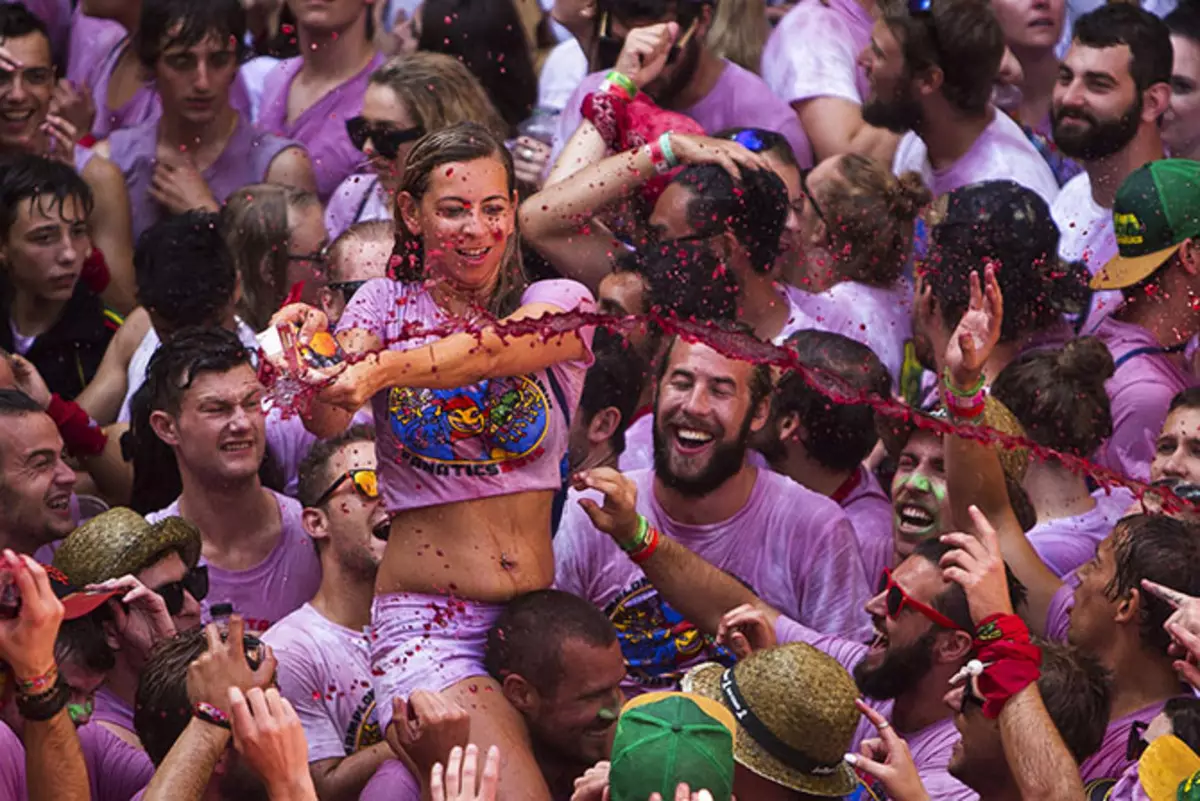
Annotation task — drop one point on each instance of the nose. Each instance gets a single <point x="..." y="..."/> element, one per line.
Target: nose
<point x="473" y="224"/>
<point x="1071" y="95"/>
<point x="368" y="147"/>
<point x="876" y="606"/>
<point x="17" y="89"/>
<point x="1173" y="466"/>
<point x="64" y="474"/>
<point x="202" y="75"/>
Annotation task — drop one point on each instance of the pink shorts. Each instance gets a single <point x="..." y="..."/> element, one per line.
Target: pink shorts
<point x="426" y="642"/>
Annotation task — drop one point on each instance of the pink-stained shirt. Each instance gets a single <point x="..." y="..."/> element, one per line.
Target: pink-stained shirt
<point x="116" y="770"/>
<point x="1086" y="234"/>
<point x="1109" y="761"/>
<point x="325" y="671"/>
<point x="392" y="782"/>
<point x="1066" y="543"/>
<point x="1002" y="151"/>
<point x="277" y="586"/>
<point x="322" y="126"/>
<point x="1140" y="392"/>
<point x="110" y="708"/>
<point x="870" y="511"/>
<point x="792" y="547"/>
<point x="930" y="747"/>
<point x="878" y="317"/>
<point x="739" y="98"/>
<point x="497" y="437"/>
<point x="359" y="198"/>
<point x="813" y="52"/>
<point x="91" y="38"/>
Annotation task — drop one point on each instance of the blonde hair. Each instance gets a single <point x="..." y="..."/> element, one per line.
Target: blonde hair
<point x="254" y="225"/>
<point x="466" y="141"/>
<point x="438" y="91"/>
<point x="870" y="215"/>
<point x="739" y="31"/>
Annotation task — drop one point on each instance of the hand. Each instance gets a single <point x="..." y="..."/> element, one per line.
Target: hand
<point x="347" y="386"/>
<point x="179" y="187"/>
<point x="309" y="320"/>
<point x="978" y="331"/>
<point x="529" y="159"/>
<point x="74" y="105"/>
<point x="61" y="137"/>
<point x="141" y="617"/>
<point x="888" y="759"/>
<point x="645" y="52"/>
<point x="732" y="156"/>
<point x="30" y="381"/>
<point x="427" y="728"/>
<point x="457" y="781"/>
<point x="745" y="630"/>
<point x="593" y="784"/>
<point x="977" y="566"/>
<point x="27" y="640"/>
<point x="268" y="734"/>
<point x="1184" y="627"/>
<point x="619" y="517"/>
<point x="684" y="793"/>
<point x="224" y="666"/>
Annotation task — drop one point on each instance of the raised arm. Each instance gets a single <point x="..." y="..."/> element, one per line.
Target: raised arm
<point x="835" y="126"/>
<point x="112" y="230"/>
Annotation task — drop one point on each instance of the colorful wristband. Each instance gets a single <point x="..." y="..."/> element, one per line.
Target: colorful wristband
<point x="617" y="83"/>
<point x="641" y="555"/>
<point x="664" y="144"/>
<point x="38" y="684"/>
<point x="949" y="385"/>
<point x="81" y="434"/>
<point x="639" y="539"/>
<point x="211" y="714"/>
<point x="45" y="705"/>
<point x="1012" y="662"/>
<point x="658" y="158"/>
<point x="610" y="114"/>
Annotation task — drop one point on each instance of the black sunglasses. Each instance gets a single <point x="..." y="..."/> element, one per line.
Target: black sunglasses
<point x="347" y="288"/>
<point x="923" y="10"/>
<point x="195" y="582"/>
<point x="608" y="47"/>
<point x="386" y="137"/>
<point x="808" y="196"/>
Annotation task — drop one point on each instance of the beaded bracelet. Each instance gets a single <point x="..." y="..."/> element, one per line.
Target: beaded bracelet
<point x="38" y="684"/>
<point x="43" y="706"/>
<point x="641" y="555"/>
<point x="617" y="83"/>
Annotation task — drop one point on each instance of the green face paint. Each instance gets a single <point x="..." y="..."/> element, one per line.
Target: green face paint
<point x="919" y="483"/>
<point x="607" y="714"/>
<point x="80" y="712"/>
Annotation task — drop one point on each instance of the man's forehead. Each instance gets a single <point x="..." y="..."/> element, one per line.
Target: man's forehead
<point x="212" y="41"/>
<point x="25" y="434"/>
<point x="701" y="360"/>
<point x="1114" y="60"/>
<point x="920" y="578"/>
<point x="354" y="456"/>
<point x="33" y="49"/>
<point x="236" y="383"/>
<point x="924" y="443"/>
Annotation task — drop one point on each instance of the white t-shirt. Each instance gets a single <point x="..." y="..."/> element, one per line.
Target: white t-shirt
<point x="564" y="70"/>
<point x="1002" y="151"/>
<point x="1086" y="234"/>
<point x="813" y="52"/>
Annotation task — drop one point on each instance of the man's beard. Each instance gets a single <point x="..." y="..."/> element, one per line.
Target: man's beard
<point x="666" y="92"/>
<point x="726" y="460"/>
<point x="900" y="670"/>
<point x="1102" y="139"/>
<point x="898" y="114"/>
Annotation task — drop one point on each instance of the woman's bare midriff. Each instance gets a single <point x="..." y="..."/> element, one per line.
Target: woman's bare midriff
<point x="489" y="549"/>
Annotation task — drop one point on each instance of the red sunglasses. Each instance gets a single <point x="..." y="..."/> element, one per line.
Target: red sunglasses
<point x="897" y="599"/>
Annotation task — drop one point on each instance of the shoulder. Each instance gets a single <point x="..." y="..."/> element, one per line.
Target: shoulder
<point x="293" y="632"/>
<point x="100" y="171"/>
<point x="796" y="503"/>
<point x="565" y="294"/>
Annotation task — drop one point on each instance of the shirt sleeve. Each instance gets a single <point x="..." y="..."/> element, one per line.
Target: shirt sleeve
<point x="370" y="309"/>
<point x="833" y="588"/>
<point x="116" y="770"/>
<point x="567" y="296"/>
<point x="300" y="682"/>
<point x="815" y="58"/>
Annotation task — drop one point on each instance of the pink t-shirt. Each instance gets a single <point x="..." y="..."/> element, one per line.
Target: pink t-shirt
<point x="870" y="511"/>
<point x="110" y="708"/>
<point x="116" y="770"/>
<point x="1109" y="761"/>
<point x="1140" y="392"/>
<point x="325" y="671"/>
<point x="497" y="437"/>
<point x="1066" y="543"/>
<point x="392" y="782"/>
<point x="930" y="747"/>
<point x="1001" y="152"/>
<point x="322" y="126"/>
<point x="792" y="547"/>
<point x="878" y="317"/>
<point x="359" y="198"/>
<point x="266" y="593"/>
<point x="813" y="52"/>
<point x="739" y="98"/>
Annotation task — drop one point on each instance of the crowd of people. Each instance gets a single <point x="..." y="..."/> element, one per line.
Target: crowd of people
<point x="604" y="400"/>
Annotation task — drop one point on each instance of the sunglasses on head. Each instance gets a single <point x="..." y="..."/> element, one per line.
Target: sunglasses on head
<point x="898" y="599"/>
<point x="365" y="483"/>
<point x="387" y="138"/>
<point x="608" y="46"/>
<point x="195" y="582"/>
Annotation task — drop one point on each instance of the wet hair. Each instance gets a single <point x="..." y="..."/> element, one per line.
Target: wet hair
<point x="186" y="23"/>
<point x="839" y="436"/>
<point x="15" y="403"/>
<point x="528" y="637"/>
<point x="254" y="223"/>
<point x="871" y="214"/>
<point x="614" y="379"/>
<point x="314" y="468"/>
<point x="40" y="182"/>
<point x="489" y="39"/>
<point x="180" y="360"/>
<point x="962" y="38"/>
<point x="462" y="142"/>
<point x="1077" y="692"/>
<point x="1187" y="399"/>
<point x="1058" y="396"/>
<point x="185" y="273"/>
<point x="1164" y="550"/>
<point x="952" y="601"/>
<point x="1147" y="37"/>
<point x="754" y="208"/>
<point x="438" y="91"/>
<point x="17" y="21"/>
<point x="1184" y="714"/>
<point x="689" y="282"/>
<point x="1184" y="21"/>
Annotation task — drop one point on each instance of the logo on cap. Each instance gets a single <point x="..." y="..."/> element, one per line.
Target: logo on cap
<point x="1129" y="229"/>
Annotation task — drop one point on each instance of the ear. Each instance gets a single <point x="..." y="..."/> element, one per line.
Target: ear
<point x="952" y="646"/>
<point x="603" y="425"/>
<point x="790" y="427"/>
<point x="1155" y="100"/>
<point x="316" y="523"/>
<point x="111" y="639"/>
<point x="1189" y="256"/>
<point x="929" y="81"/>
<point x="1129" y="608"/>
<point x="761" y="414"/>
<point x="519" y="692"/>
<point x="165" y="427"/>
<point x="589" y="10"/>
<point x="409" y="213"/>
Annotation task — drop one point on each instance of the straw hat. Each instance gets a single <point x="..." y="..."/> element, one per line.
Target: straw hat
<point x="120" y="542"/>
<point x="796" y="715"/>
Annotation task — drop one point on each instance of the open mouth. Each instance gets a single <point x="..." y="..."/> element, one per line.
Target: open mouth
<point x="913" y="518"/>
<point x="473" y="254"/>
<point x="1044" y="22"/>
<point x="17" y="116"/>
<point x="382" y="529"/>
<point x="237" y="447"/>
<point x="879" y="644"/>
<point x="60" y="504"/>
<point x="692" y="440"/>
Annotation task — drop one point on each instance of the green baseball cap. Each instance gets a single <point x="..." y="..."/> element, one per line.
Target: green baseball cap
<point x="663" y="739"/>
<point x="1155" y="210"/>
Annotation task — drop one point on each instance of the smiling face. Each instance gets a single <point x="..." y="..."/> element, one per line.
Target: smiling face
<point x="891" y="103"/>
<point x="351" y="518"/>
<point x="920" y="507"/>
<point x="1097" y="107"/>
<point x="46" y="247"/>
<point x="703" y="418"/>
<point x="25" y="93"/>
<point x="465" y="221"/>
<point x="1177" y="452"/>
<point x="35" y="482"/>
<point x="194" y="82"/>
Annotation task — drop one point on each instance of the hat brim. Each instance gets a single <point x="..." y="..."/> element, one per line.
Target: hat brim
<point x="705" y="680"/>
<point x="1122" y="271"/>
<point x="78" y="603"/>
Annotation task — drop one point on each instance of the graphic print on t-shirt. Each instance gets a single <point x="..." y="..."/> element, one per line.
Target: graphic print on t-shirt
<point x="484" y="429"/>
<point x="364" y="730"/>
<point x="659" y="645"/>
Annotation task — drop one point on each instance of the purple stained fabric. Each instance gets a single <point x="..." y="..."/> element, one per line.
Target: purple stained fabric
<point x="90" y="39"/>
<point x="392" y="782"/>
<point x="359" y="198"/>
<point x="322" y="126"/>
<point x="245" y="160"/>
<point x="1109" y="761"/>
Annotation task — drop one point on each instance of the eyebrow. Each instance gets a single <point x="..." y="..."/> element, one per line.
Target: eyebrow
<point x="464" y="201"/>
<point x="41" y="453"/>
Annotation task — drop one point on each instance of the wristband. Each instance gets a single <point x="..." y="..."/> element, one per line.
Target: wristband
<point x="1011" y="661"/>
<point x="641" y="555"/>
<point x="639" y="539"/>
<point x="211" y="714"/>
<point x="38" y="684"/>
<point x="87" y="140"/>
<point x="657" y="157"/>
<point x="664" y="144"/>
<point x="619" y="84"/>
<point x="43" y="706"/>
<point x="81" y="434"/>
<point x="952" y="388"/>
